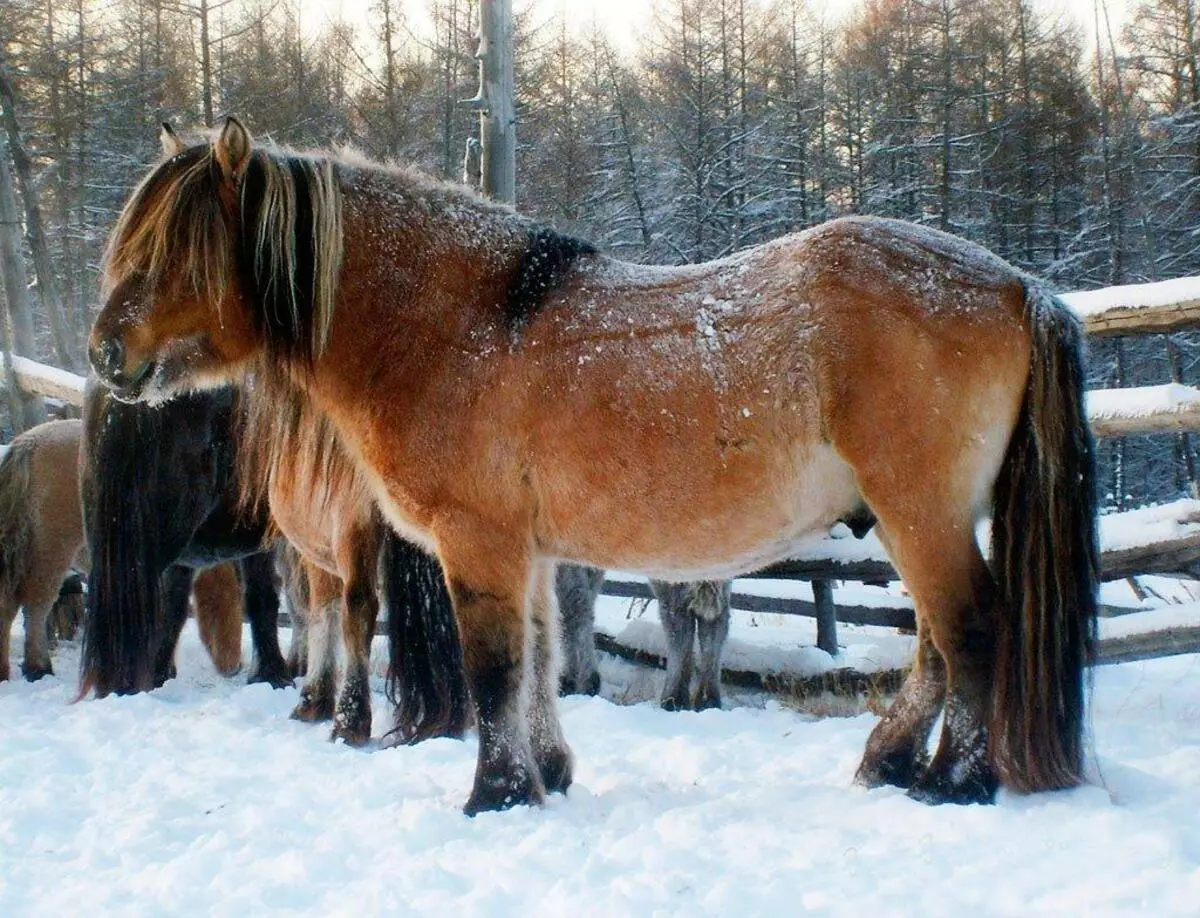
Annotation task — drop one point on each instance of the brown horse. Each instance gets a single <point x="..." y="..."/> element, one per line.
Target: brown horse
<point x="41" y="535"/>
<point x="514" y="398"/>
<point x="290" y="459"/>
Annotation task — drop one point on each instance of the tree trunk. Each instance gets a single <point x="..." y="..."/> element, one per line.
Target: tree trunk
<point x="42" y="263"/>
<point x="12" y="266"/>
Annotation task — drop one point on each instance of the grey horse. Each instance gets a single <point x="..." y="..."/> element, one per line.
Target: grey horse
<point x="687" y="610"/>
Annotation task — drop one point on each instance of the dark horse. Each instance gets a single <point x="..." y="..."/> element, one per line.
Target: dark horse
<point x="158" y="504"/>
<point x="162" y="498"/>
<point x="514" y="398"/>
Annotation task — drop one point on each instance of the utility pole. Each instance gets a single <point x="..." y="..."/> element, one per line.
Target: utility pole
<point x="494" y="102"/>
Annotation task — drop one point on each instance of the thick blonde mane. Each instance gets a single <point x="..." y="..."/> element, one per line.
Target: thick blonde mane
<point x="285" y="241"/>
<point x="283" y="439"/>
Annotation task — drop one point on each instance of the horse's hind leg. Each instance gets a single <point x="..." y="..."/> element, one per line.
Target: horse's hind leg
<point x="317" y="696"/>
<point x="577" y="587"/>
<point x="36" y="663"/>
<point x="896" y="749"/>
<point x="39" y="593"/>
<point x="8" y="615"/>
<point x="944" y="571"/>
<point x="360" y="610"/>
<point x="262" y="611"/>
<point x="550" y="750"/>
<point x="679" y="628"/>
<point x="218" y="596"/>
<point x="710" y="605"/>
<point x="176" y="589"/>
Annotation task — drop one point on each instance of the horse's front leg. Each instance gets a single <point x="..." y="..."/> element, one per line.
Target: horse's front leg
<point x="324" y="594"/>
<point x="262" y="610"/>
<point x="679" y="629"/>
<point x="710" y="604"/>
<point x="358" y="559"/>
<point x="489" y="579"/>
<point x="176" y="591"/>
<point x="576" y="587"/>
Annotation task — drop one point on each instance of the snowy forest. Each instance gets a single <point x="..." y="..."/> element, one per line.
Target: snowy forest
<point x="1072" y="152"/>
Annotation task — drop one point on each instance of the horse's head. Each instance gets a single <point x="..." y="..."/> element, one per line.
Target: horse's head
<point x="176" y="314"/>
<point x="225" y="250"/>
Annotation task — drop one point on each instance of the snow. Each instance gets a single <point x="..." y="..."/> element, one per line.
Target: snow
<point x="1088" y="303"/>
<point x="1141" y="401"/>
<point x="203" y="799"/>
<point x="1147" y="525"/>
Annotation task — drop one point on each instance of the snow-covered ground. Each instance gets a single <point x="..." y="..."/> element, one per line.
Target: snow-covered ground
<point x="203" y="799"/>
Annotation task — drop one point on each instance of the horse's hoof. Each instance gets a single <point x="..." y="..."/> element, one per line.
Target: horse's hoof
<point x="34" y="673"/>
<point x="556" y="766"/>
<point x="706" y="702"/>
<point x="571" y="686"/>
<point x="278" y="677"/>
<point x="672" y="703"/>
<point x="896" y="770"/>
<point x="503" y="792"/>
<point x="354" y="736"/>
<point x="936" y="788"/>
<point x="313" y="710"/>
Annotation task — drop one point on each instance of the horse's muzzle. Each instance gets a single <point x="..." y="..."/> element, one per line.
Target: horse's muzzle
<point x="107" y="356"/>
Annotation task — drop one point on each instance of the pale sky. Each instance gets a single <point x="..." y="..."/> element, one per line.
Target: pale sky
<point x="625" y="20"/>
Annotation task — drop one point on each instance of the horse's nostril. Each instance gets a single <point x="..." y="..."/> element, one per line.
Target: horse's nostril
<point x="108" y="358"/>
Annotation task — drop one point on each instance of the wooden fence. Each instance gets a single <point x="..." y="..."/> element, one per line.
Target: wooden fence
<point x="1167" y="538"/>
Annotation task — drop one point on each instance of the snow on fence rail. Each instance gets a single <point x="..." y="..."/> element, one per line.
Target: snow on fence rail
<point x="51" y="382"/>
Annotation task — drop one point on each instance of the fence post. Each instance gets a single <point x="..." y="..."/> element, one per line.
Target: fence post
<point x="826" y="616"/>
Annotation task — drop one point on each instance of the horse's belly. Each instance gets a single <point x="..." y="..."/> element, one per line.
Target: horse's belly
<point x="710" y="527"/>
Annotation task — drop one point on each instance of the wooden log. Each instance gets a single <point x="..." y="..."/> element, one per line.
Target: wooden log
<point x="826" y="617"/>
<point x="1168" y="408"/>
<point x="1133" y="309"/>
<point x="39" y="379"/>
<point x="844" y="682"/>
<point x="852" y="683"/>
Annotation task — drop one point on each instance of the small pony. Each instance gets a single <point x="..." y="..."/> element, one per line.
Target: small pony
<point x="291" y="462"/>
<point x="514" y="398"/>
<point x="41" y="535"/>
<point x="689" y="612"/>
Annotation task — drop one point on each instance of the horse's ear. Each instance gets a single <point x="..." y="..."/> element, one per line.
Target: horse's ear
<point x="171" y="143"/>
<point x="233" y="148"/>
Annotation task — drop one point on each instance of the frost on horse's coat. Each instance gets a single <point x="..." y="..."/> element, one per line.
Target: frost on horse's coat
<point x="683" y="422"/>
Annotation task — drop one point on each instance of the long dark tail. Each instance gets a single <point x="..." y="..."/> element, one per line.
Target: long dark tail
<point x="1046" y="560"/>
<point x="425" y="680"/>
<point x="16" y="523"/>
<point x="124" y="608"/>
